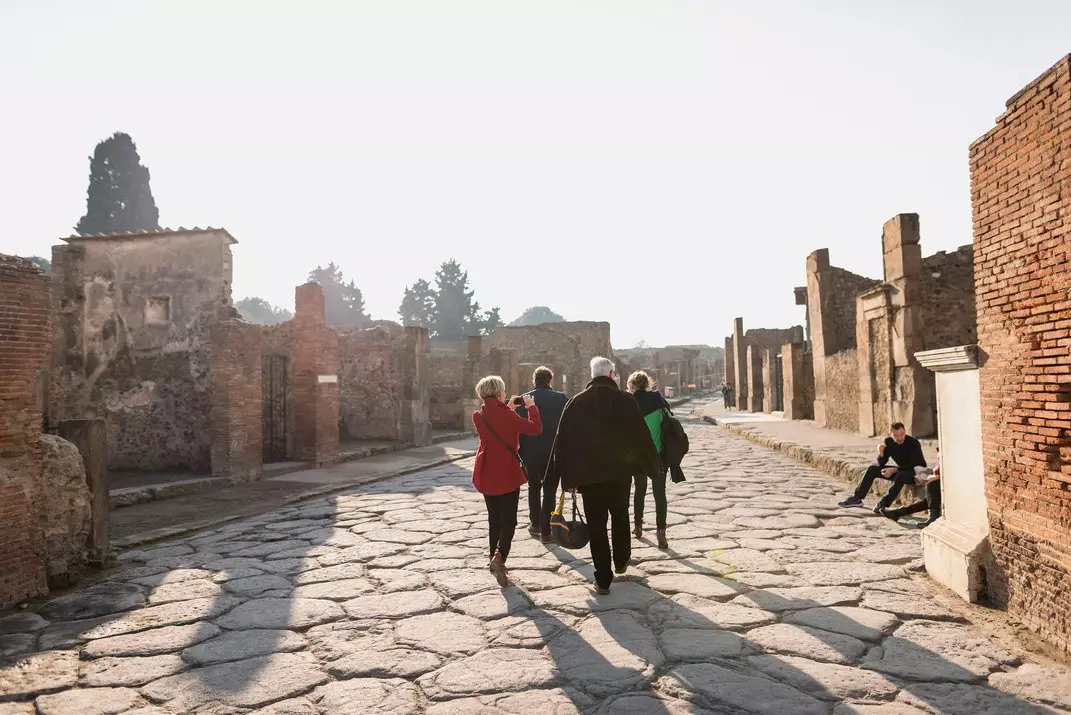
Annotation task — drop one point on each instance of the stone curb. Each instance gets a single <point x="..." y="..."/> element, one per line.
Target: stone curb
<point x="171" y="532"/>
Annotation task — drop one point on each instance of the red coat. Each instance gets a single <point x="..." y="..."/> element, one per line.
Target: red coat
<point x="497" y="471"/>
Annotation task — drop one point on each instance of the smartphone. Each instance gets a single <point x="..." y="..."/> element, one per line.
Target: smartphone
<point x="519" y="401"/>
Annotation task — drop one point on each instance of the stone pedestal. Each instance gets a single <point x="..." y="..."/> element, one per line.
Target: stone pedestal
<point x="956" y="547"/>
<point x="90" y="437"/>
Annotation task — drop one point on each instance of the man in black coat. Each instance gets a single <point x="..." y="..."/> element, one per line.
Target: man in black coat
<point x="906" y="453"/>
<point x="602" y="442"/>
<point x="535" y="453"/>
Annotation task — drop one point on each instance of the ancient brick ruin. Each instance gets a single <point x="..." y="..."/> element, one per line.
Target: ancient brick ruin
<point x="754" y="361"/>
<point x="1021" y="198"/>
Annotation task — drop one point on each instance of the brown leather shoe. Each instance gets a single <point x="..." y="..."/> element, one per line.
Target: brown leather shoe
<point x="662" y="543"/>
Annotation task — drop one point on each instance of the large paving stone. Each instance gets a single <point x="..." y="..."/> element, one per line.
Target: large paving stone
<point x="493" y="670"/>
<point x="797" y="599"/>
<point x="582" y="599"/>
<point x="908" y="605"/>
<point x="697" y="584"/>
<point x="368" y="695"/>
<point x="246" y="683"/>
<point x="497" y="603"/>
<point x="876" y="709"/>
<point x="465" y="582"/>
<point x="15" y="645"/>
<point x="93" y="602"/>
<point x="860" y="623"/>
<point x="271" y="547"/>
<point x="687" y="611"/>
<point x="394" y="605"/>
<point x="391" y="580"/>
<point x="826" y="681"/>
<point x="392" y="663"/>
<point x="87" y="701"/>
<point x="361" y="553"/>
<point x="808" y="643"/>
<point x="782" y="521"/>
<point x="748" y="560"/>
<point x="787" y="554"/>
<point x="20" y="709"/>
<point x="282" y="613"/>
<point x="844" y="574"/>
<point x="701" y="644"/>
<point x="525" y="632"/>
<point x="39" y="673"/>
<point x="737" y="689"/>
<point x="239" y="645"/>
<point x="171" y="576"/>
<point x="152" y="642"/>
<point x="963" y="699"/>
<point x="168" y="614"/>
<point x="340" y="572"/>
<point x="932" y="651"/>
<point x="444" y="633"/>
<point x="257" y="585"/>
<point x="399" y="536"/>
<point x="130" y="672"/>
<point x="648" y="703"/>
<point x="557" y="701"/>
<point x="886" y="553"/>
<point x="342" y="590"/>
<point x="1033" y="682"/>
<point x="529" y="579"/>
<point x="291" y="706"/>
<point x="755" y="579"/>
<point x="23" y="622"/>
<point x="609" y="653"/>
<point x="169" y="593"/>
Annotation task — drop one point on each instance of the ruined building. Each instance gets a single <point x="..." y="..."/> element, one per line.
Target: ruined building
<point x="755" y="360"/>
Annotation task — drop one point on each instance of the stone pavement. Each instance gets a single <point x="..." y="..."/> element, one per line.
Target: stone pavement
<point x="379" y="600"/>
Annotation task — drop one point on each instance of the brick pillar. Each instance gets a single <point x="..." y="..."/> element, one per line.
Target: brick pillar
<point x="730" y="371"/>
<point x="24" y="347"/>
<point x="769" y="389"/>
<point x="818" y="298"/>
<point x="315" y="389"/>
<point x="798" y="381"/>
<point x="740" y="364"/>
<point x="91" y="439"/>
<point x="237" y="401"/>
<point x="416" y="409"/>
<point x="753" y="363"/>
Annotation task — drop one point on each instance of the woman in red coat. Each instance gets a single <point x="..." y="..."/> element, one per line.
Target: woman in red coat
<point x="497" y="474"/>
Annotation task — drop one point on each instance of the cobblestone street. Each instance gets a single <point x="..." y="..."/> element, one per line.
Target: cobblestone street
<point x="770" y="599"/>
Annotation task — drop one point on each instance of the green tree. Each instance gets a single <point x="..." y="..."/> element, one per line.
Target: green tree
<point x="42" y="264"/>
<point x="537" y="315"/>
<point x="418" y="305"/>
<point x="261" y="312"/>
<point x="456" y="313"/>
<point x="119" y="198"/>
<point x="343" y="302"/>
<point x="490" y="320"/>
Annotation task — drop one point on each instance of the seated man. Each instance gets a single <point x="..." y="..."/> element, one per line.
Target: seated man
<point x="929" y="478"/>
<point x="906" y="452"/>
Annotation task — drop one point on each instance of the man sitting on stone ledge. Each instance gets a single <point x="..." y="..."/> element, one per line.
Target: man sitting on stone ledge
<point x="906" y="452"/>
<point x="929" y="478"/>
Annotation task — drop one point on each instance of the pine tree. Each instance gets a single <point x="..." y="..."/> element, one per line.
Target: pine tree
<point x="343" y="302"/>
<point x="455" y="311"/>
<point x="119" y="198"/>
<point x="259" y="311"/>
<point x="491" y="320"/>
<point x="418" y="305"/>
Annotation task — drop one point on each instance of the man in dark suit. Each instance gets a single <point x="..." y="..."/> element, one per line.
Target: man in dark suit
<point x="535" y="453"/>
<point x="906" y="453"/>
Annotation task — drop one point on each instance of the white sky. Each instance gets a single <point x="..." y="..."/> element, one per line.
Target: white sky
<point x="695" y="151"/>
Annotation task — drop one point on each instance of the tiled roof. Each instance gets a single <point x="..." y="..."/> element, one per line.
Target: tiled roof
<point x="154" y="233"/>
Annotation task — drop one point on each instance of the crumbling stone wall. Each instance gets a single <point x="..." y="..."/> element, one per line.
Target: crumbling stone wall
<point x="133" y="317"/>
<point x="1021" y="200"/>
<point x="798" y="381"/>
<point x="570" y="344"/>
<point x="831" y="312"/>
<point x="65" y="515"/>
<point x="947" y="293"/>
<point x="369" y="383"/>
<point x="448" y="384"/>
<point x="24" y="344"/>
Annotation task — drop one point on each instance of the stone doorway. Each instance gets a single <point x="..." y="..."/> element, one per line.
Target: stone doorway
<point x="275" y="386"/>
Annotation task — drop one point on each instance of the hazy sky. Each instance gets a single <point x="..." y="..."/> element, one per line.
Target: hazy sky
<point x="665" y="165"/>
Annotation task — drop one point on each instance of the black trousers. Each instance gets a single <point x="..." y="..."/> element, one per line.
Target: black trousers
<point x="932" y="502"/>
<point x="542" y="489"/>
<point x="658" y="487"/>
<point x="873" y="472"/>
<point x="501" y="520"/>
<point x="608" y="501"/>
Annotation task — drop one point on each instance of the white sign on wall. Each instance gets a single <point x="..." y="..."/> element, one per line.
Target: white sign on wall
<point x="327" y="378"/>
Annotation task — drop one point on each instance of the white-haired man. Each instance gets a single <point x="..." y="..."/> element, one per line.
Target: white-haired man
<point x="602" y="442"/>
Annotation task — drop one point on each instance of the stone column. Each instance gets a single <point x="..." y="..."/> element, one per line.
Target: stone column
<point x="956" y="547"/>
<point x="415" y="409"/>
<point x="753" y="361"/>
<point x="315" y="389"/>
<point x="740" y="365"/>
<point x="91" y="439"/>
<point x="769" y="390"/>
<point x="798" y="381"/>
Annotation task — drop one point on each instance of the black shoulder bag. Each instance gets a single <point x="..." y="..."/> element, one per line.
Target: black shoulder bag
<point x="506" y="445"/>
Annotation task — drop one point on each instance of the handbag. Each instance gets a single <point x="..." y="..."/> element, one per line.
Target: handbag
<point x="674" y="444"/>
<point x="568" y="534"/>
<point x="512" y="451"/>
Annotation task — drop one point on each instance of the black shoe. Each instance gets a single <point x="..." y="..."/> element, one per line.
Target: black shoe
<point x="534" y="531"/>
<point x="887" y="514"/>
<point x="851" y="501"/>
<point x="546" y="538"/>
<point x="879" y="509"/>
<point x="621" y="571"/>
<point x="602" y="590"/>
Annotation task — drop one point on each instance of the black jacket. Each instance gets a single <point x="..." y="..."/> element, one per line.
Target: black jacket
<point x="602" y="437"/>
<point x="551" y="403"/>
<point x="907" y="456"/>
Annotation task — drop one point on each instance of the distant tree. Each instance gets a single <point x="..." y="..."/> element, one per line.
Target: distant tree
<point x="537" y="315"/>
<point x="490" y="320"/>
<point x="119" y="198"/>
<point x="418" y="305"/>
<point x="641" y="345"/>
<point x="456" y="313"/>
<point x="261" y="312"/>
<point x="42" y="264"/>
<point x="343" y="302"/>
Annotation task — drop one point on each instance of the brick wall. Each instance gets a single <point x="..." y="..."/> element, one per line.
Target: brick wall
<point x="842" y="391"/>
<point x="24" y="346"/>
<point x="947" y="289"/>
<point x="570" y="345"/>
<point x="316" y="394"/>
<point x="370" y="383"/>
<point x="1021" y="200"/>
<point x="237" y="400"/>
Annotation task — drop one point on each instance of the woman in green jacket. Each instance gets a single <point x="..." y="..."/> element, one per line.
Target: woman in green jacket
<point x="652" y="405"/>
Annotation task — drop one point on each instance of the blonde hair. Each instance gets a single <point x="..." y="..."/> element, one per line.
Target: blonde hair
<point x="490" y="386"/>
<point x="639" y="381"/>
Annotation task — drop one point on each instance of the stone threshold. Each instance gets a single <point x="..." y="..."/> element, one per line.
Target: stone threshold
<point x="129" y="496"/>
<point x="845" y="470"/>
<point x="170" y="532"/>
